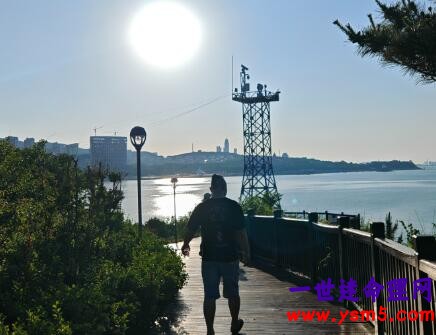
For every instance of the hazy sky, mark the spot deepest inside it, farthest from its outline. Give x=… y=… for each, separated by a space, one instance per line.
x=66 y=67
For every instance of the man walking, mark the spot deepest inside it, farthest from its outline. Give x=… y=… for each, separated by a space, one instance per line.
x=223 y=241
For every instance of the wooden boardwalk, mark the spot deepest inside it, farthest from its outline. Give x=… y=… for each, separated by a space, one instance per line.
x=265 y=299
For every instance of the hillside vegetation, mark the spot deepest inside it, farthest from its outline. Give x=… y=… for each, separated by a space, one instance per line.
x=69 y=262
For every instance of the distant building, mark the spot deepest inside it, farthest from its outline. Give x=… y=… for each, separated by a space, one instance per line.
x=72 y=149
x=226 y=146
x=52 y=148
x=109 y=151
x=29 y=142
x=55 y=148
x=13 y=140
x=147 y=158
x=235 y=151
x=82 y=152
x=285 y=155
x=218 y=148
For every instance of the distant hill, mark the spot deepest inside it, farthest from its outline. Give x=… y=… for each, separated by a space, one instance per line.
x=198 y=163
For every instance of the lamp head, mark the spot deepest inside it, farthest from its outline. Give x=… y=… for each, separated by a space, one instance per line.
x=174 y=180
x=137 y=137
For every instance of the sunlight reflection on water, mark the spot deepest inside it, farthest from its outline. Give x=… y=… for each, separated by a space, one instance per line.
x=409 y=195
x=157 y=195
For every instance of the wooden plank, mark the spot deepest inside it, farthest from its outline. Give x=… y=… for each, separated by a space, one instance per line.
x=265 y=300
x=428 y=267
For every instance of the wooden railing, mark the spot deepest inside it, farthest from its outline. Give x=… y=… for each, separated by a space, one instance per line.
x=320 y=251
x=326 y=217
x=330 y=217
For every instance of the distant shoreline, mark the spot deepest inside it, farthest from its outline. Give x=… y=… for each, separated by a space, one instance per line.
x=276 y=174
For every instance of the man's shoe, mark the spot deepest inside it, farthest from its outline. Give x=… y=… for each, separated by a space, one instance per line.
x=235 y=329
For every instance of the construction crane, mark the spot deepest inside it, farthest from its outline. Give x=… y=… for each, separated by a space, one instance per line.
x=95 y=130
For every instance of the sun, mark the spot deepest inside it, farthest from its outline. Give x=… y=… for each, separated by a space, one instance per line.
x=165 y=34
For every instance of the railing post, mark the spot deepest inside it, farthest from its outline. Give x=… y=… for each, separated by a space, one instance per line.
x=249 y=224
x=343 y=222
x=425 y=246
x=278 y=213
x=250 y=215
x=377 y=231
x=355 y=222
x=313 y=218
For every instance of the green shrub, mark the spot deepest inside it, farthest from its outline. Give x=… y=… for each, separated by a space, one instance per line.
x=392 y=228
x=262 y=205
x=410 y=232
x=165 y=229
x=69 y=262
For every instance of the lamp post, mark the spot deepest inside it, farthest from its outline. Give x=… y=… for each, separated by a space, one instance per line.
x=174 y=181
x=137 y=138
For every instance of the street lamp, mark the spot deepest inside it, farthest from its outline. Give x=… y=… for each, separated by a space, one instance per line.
x=137 y=138
x=174 y=181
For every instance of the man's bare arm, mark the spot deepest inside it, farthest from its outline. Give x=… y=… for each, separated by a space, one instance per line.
x=189 y=235
x=244 y=245
x=191 y=229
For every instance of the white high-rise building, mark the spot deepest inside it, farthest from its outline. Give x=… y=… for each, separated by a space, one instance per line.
x=109 y=151
x=226 y=146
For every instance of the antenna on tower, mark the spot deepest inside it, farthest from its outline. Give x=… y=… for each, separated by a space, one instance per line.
x=232 y=74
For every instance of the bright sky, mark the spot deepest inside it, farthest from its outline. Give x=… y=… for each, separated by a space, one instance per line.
x=67 y=66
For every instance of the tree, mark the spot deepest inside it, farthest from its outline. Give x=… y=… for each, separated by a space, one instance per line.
x=69 y=261
x=391 y=228
x=410 y=232
x=262 y=205
x=405 y=37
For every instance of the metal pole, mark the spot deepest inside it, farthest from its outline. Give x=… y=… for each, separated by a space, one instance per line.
x=138 y=173
x=137 y=138
x=175 y=216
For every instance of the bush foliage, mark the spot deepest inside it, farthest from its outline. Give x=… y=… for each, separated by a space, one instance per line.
x=69 y=262
x=165 y=229
x=262 y=205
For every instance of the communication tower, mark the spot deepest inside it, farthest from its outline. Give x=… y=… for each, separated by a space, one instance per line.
x=258 y=176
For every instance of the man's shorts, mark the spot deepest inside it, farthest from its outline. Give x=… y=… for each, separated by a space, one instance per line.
x=213 y=271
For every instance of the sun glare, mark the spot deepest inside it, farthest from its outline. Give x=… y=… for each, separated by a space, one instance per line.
x=165 y=34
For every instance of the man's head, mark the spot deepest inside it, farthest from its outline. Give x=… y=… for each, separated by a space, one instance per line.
x=218 y=186
x=206 y=196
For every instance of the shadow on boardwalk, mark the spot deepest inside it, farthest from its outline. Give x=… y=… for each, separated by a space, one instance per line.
x=265 y=299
